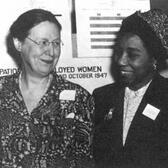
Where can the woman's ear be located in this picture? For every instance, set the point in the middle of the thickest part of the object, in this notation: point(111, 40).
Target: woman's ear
point(17, 44)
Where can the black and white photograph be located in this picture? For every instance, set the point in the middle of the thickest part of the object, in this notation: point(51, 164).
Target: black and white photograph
point(84, 84)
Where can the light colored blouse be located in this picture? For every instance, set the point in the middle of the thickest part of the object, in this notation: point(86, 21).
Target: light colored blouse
point(132, 100)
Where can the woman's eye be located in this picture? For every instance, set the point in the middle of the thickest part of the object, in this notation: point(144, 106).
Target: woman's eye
point(132, 55)
point(43, 43)
point(56, 43)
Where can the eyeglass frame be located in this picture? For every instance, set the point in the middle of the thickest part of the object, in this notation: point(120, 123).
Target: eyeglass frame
point(54, 43)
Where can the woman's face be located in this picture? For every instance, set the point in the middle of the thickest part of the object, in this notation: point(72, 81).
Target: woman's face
point(134, 62)
point(41, 59)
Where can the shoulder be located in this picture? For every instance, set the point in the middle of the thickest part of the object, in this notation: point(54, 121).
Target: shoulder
point(8, 82)
point(105, 95)
point(5, 79)
point(7, 86)
point(157, 92)
point(106, 89)
point(160, 84)
point(161, 79)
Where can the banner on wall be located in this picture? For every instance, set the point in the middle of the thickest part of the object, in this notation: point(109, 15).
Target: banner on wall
point(98, 21)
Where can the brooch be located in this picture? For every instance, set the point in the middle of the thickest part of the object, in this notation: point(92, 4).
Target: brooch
point(109, 115)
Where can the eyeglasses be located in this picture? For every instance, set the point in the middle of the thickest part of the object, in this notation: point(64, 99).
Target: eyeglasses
point(46, 43)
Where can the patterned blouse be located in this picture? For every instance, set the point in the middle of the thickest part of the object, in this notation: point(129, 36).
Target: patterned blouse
point(57, 133)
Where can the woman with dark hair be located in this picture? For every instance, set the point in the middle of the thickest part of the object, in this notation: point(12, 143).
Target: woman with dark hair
point(45, 121)
point(131, 115)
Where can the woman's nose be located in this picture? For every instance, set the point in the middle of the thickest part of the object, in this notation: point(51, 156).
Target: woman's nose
point(51, 50)
point(123, 59)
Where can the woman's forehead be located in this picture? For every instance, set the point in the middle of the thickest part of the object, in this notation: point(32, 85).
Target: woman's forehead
point(131, 38)
point(45, 28)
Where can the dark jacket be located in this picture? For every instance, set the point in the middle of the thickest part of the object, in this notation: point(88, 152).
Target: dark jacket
point(146, 145)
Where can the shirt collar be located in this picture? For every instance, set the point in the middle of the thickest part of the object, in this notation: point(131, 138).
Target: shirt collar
point(139, 92)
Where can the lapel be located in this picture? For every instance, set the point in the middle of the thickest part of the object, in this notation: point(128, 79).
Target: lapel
point(119, 104)
point(117, 119)
point(139, 120)
point(109, 131)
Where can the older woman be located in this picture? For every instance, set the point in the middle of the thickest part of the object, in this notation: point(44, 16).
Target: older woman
point(131, 115)
point(45, 121)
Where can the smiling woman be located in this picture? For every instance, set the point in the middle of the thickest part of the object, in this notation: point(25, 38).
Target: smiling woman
point(134, 62)
point(40, 56)
point(45, 121)
point(131, 115)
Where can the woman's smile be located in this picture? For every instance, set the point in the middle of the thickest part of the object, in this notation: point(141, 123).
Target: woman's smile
point(47, 61)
